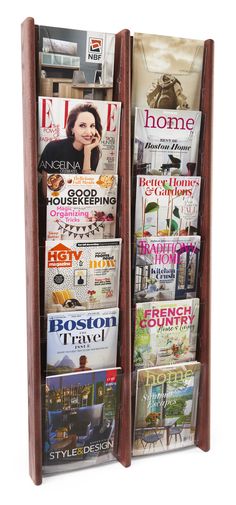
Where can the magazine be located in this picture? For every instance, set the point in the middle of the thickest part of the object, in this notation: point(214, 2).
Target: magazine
point(81, 206)
point(165, 332)
point(75, 63)
point(166, 205)
point(166, 268)
point(166, 142)
point(81, 418)
point(166, 408)
point(79, 341)
point(82, 275)
point(167, 72)
point(76, 136)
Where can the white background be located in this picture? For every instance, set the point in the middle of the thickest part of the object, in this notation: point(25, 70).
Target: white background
point(175, 478)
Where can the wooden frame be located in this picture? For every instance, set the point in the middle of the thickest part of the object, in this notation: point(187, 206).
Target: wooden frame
point(32, 250)
point(203, 351)
point(122, 93)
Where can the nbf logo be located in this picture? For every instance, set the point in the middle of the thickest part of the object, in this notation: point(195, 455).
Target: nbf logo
point(95, 49)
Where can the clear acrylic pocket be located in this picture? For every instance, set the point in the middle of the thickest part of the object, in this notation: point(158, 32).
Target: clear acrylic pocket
point(80, 419)
point(166, 402)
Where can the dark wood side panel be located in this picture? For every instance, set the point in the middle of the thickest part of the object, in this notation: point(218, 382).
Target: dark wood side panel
point(32, 249)
point(203, 352)
point(122, 93)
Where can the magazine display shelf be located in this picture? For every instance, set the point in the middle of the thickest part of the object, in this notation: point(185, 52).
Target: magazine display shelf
point(121, 93)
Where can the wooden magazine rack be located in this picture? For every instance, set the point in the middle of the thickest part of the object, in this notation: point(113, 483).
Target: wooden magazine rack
point(121, 93)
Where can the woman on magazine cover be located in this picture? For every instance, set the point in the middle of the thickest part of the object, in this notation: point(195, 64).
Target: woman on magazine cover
point(79, 152)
